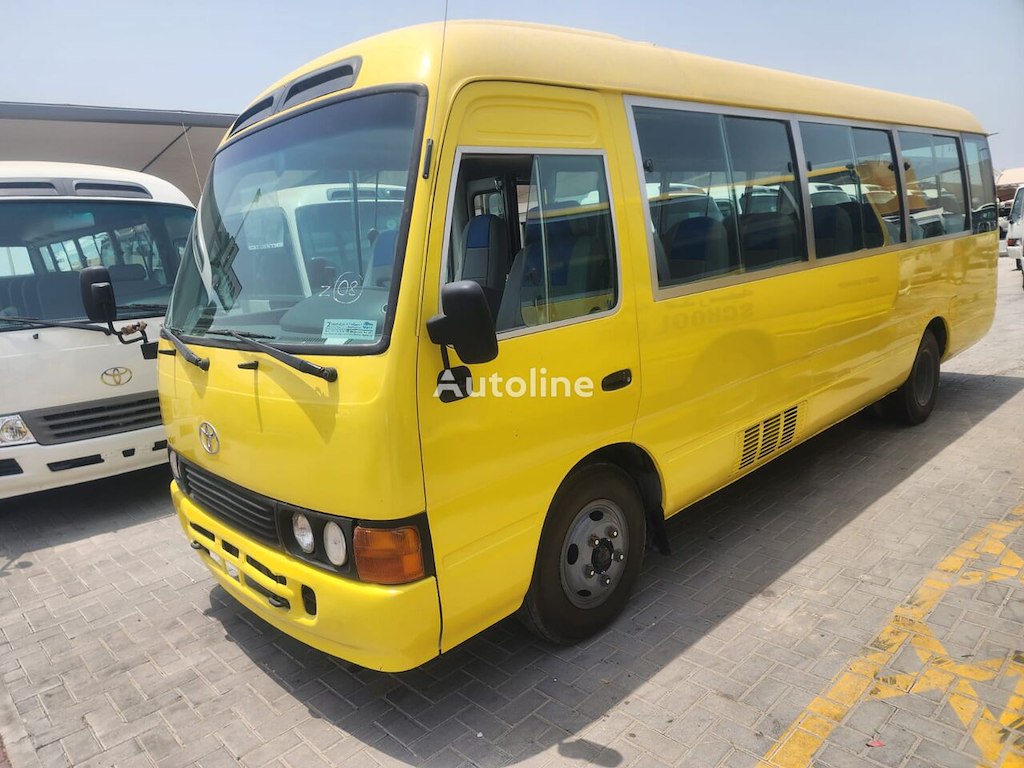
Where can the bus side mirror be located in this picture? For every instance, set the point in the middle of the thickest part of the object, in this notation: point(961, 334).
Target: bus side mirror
point(465, 323)
point(98, 295)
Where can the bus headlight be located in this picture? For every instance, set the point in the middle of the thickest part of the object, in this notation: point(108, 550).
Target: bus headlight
point(14, 431)
point(334, 544)
point(303, 532)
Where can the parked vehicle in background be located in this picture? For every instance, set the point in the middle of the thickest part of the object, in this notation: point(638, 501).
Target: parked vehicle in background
point(608, 294)
point(78, 400)
point(1015, 229)
point(1004, 217)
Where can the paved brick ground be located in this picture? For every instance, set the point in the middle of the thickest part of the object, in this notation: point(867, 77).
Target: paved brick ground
point(116, 647)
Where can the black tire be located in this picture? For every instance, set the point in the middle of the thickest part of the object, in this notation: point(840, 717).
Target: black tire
point(592, 502)
point(914, 401)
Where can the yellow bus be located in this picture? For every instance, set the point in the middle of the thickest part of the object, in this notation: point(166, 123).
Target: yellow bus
point(470, 310)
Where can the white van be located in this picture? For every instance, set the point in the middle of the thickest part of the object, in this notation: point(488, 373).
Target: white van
point(1015, 229)
point(78, 400)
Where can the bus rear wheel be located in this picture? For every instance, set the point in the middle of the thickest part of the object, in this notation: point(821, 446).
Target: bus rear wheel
point(914, 401)
point(590, 554)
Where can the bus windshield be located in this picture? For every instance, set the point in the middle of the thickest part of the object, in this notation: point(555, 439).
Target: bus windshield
point(297, 232)
point(44, 244)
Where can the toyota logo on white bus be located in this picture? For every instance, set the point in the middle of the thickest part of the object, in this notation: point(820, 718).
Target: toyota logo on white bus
point(116, 376)
point(208, 438)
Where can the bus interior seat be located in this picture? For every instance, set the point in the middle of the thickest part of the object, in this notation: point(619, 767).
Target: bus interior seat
point(874, 236)
point(952, 213)
point(769, 239)
point(697, 247)
point(660, 258)
point(6, 305)
point(576, 260)
point(28, 296)
point(485, 258)
point(321, 273)
point(383, 259)
point(60, 296)
point(130, 280)
point(833, 231)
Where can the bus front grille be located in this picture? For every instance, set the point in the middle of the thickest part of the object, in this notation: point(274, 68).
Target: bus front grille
point(96, 418)
point(240, 508)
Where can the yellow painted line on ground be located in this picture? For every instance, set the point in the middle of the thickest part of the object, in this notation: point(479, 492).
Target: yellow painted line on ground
point(863, 678)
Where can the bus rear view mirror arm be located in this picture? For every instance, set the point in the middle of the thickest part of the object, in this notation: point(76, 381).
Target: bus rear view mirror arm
point(101, 307)
point(464, 323)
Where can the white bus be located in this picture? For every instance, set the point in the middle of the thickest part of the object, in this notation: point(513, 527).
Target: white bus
point(78, 399)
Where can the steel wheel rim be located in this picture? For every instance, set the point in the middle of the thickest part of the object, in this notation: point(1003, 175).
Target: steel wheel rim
point(594, 554)
point(924, 380)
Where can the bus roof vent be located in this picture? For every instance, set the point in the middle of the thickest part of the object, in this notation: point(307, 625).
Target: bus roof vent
point(763, 440)
point(329, 79)
point(90, 188)
point(27, 188)
point(336, 77)
point(259, 110)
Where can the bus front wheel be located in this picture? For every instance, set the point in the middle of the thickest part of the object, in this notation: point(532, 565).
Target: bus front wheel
point(914, 401)
point(590, 554)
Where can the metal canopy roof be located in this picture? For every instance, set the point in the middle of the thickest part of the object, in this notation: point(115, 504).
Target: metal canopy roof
point(162, 143)
point(1011, 176)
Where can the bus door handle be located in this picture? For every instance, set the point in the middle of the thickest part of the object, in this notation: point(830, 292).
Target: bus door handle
point(617, 380)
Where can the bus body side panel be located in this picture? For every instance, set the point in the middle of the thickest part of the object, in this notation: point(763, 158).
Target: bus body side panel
point(974, 275)
point(721, 364)
point(728, 366)
point(492, 464)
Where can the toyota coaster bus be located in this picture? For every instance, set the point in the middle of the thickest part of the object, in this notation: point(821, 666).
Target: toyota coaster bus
point(79, 400)
point(454, 335)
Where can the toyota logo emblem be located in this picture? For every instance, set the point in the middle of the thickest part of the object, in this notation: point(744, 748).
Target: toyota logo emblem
point(208, 438)
point(116, 376)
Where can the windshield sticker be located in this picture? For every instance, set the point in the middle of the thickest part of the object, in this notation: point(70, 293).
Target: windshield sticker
point(360, 330)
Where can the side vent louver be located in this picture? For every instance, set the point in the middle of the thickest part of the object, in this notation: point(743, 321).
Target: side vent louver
point(768, 437)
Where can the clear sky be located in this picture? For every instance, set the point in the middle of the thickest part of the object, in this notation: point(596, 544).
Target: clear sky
point(215, 55)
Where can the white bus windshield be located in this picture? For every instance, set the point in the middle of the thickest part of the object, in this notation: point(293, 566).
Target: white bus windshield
point(44, 244)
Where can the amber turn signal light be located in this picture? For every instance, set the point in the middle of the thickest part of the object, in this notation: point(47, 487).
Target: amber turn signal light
point(388, 555)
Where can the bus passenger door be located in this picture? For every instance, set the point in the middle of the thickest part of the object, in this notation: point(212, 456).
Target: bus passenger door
point(530, 219)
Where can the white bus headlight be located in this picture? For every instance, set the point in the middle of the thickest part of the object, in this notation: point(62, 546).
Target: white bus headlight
point(303, 533)
point(13, 431)
point(334, 544)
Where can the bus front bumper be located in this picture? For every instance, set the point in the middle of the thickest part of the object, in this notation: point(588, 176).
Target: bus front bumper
point(33, 467)
point(387, 628)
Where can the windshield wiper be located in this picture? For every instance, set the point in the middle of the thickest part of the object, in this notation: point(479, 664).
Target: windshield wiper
point(243, 334)
point(153, 307)
point(36, 322)
point(203, 363)
point(304, 366)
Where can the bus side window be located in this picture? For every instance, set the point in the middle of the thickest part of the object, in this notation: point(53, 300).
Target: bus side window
point(771, 214)
point(982, 178)
point(559, 263)
point(935, 184)
point(722, 191)
point(855, 202)
point(566, 267)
